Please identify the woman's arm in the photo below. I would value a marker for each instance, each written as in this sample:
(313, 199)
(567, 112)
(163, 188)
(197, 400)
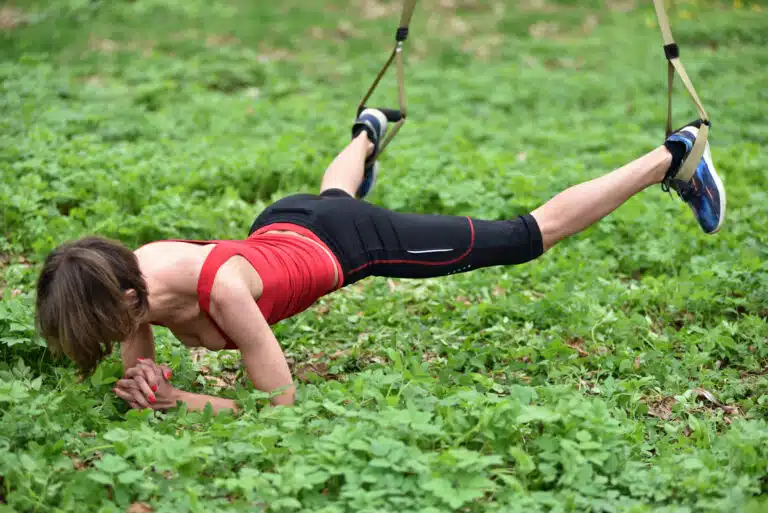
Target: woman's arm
(198, 402)
(162, 395)
(141, 344)
(138, 346)
(233, 308)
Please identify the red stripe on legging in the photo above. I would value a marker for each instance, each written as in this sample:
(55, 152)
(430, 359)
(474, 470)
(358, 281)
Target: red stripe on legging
(418, 262)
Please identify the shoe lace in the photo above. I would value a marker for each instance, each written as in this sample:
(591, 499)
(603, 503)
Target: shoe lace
(665, 184)
(685, 190)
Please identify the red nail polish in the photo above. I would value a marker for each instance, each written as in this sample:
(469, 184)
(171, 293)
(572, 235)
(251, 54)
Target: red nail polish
(152, 399)
(154, 388)
(168, 375)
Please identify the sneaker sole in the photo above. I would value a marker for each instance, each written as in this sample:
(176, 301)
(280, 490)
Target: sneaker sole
(720, 187)
(374, 174)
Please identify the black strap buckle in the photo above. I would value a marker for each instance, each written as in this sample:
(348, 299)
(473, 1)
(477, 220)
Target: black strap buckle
(671, 51)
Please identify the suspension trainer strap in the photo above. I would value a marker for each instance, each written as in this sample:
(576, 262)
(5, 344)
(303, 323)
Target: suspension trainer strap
(672, 53)
(395, 116)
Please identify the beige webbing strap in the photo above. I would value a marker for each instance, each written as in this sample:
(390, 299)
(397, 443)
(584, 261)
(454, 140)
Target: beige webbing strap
(397, 54)
(408, 8)
(672, 53)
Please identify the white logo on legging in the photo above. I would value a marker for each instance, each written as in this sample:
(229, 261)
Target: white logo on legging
(429, 251)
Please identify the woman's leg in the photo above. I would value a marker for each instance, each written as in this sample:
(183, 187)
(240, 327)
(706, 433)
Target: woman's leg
(582, 205)
(566, 214)
(373, 241)
(346, 170)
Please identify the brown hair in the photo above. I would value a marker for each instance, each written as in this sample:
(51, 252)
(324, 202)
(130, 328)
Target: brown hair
(81, 306)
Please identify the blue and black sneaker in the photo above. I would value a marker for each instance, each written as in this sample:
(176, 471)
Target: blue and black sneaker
(374, 122)
(703, 190)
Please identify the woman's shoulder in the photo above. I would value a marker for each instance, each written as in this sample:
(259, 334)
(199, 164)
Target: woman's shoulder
(173, 263)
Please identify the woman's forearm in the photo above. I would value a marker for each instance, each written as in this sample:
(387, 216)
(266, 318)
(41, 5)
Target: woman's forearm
(197, 402)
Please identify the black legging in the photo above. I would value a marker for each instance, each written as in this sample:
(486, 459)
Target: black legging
(372, 241)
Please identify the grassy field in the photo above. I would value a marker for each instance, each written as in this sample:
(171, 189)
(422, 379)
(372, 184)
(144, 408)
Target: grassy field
(626, 371)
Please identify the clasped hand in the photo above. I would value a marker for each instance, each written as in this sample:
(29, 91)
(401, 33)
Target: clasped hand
(147, 385)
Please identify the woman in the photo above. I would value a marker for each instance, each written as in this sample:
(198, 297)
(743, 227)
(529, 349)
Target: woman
(226, 294)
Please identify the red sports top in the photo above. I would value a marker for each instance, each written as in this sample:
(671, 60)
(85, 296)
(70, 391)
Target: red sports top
(294, 272)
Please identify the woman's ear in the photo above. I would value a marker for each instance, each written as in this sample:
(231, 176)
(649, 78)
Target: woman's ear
(130, 295)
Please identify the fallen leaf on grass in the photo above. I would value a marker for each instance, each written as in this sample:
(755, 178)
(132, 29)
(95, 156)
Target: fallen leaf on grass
(317, 33)
(588, 386)
(533, 295)
(429, 357)
(269, 53)
(220, 40)
(10, 17)
(304, 370)
(196, 354)
(345, 29)
(139, 507)
(662, 408)
(591, 21)
(340, 353)
(458, 26)
(77, 463)
(252, 92)
(687, 318)
(103, 45)
(621, 6)
(543, 29)
(709, 397)
(374, 10)
(578, 345)
(225, 379)
(94, 81)
(464, 5)
(463, 299)
(369, 358)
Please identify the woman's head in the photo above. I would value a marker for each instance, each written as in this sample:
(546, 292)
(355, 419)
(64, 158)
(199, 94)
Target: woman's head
(90, 294)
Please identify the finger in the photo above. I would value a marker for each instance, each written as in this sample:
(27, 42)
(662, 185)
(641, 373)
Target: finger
(129, 390)
(134, 371)
(139, 398)
(144, 389)
(147, 369)
(138, 378)
(126, 384)
(124, 395)
(166, 372)
(152, 373)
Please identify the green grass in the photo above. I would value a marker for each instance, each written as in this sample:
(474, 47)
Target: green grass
(573, 383)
